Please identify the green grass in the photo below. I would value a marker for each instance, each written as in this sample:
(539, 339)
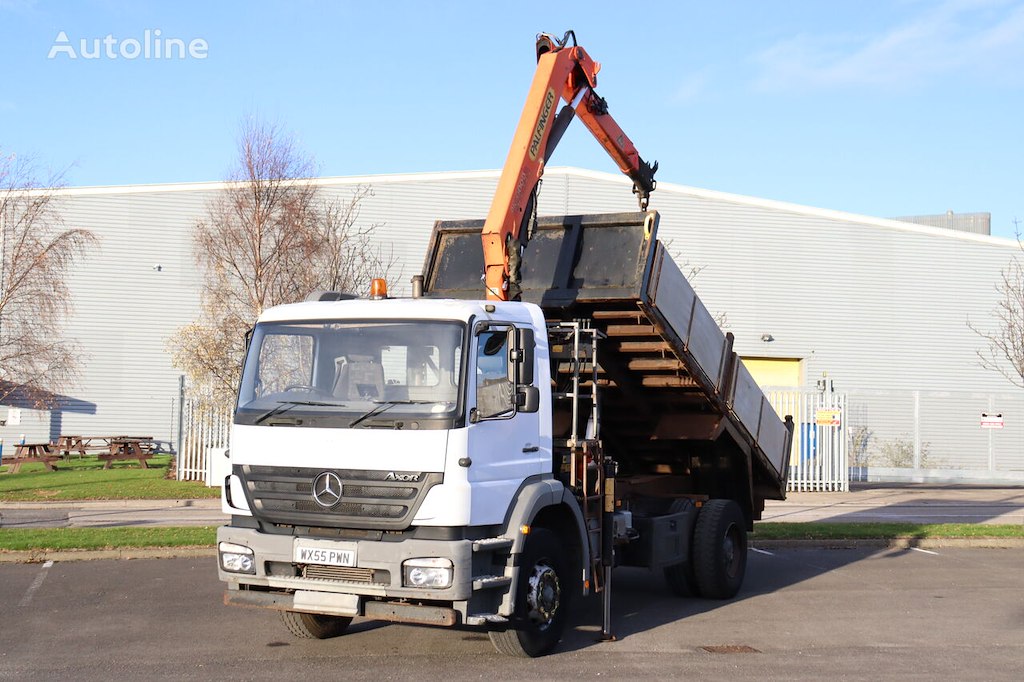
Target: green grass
(882, 531)
(36, 539)
(86, 479)
(27, 539)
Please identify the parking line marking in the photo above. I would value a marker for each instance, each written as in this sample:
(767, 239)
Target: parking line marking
(762, 551)
(924, 551)
(36, 584)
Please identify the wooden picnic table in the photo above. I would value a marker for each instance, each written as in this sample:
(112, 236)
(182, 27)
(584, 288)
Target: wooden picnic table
(128, 447)
(107, 448)
(68, 444)
(32, 452)
(83, 445)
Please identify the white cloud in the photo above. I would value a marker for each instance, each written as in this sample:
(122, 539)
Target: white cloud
(978, 38)
(691, 87)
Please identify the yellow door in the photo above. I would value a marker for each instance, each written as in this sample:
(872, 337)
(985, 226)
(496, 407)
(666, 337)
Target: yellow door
(775, 372)
(782, 376)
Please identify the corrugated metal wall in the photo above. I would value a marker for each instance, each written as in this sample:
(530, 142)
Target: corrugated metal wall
(875, 304)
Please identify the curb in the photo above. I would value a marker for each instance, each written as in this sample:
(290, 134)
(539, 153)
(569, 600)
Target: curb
(891, 543)
(38, 556)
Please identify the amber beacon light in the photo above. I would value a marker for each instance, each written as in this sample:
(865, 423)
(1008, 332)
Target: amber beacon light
(378, 288)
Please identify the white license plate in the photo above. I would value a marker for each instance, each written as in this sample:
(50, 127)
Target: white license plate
(324, 556)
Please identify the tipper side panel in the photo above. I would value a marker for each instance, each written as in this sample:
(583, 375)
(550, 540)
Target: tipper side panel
(677, 399)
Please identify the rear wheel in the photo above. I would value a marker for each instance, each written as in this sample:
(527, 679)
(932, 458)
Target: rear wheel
(313, 625)
(720, 549)
(542, 597)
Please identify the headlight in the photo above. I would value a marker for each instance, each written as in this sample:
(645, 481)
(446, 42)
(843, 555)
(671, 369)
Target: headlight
(434, 572)
(236, 558)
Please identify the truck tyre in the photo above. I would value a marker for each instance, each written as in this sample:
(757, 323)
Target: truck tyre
(542, 597)
(679, 577)
(314, 626)
(719, 549)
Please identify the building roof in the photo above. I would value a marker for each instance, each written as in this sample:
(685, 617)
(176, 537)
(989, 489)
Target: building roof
(697, 192)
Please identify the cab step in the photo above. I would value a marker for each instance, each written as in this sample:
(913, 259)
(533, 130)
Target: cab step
(492, 544)
(483, 618)
(488, 582)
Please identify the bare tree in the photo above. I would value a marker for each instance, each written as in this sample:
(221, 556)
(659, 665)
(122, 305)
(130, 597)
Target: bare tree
(691, 271)
(1004, 351)
(270, 237)
(36, 250)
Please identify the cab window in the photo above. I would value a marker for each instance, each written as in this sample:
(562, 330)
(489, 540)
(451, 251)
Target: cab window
(493, 389)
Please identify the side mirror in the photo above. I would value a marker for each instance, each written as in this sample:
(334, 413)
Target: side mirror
(525, 345)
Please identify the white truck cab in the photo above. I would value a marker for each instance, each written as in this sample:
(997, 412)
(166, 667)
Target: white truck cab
(379, 449)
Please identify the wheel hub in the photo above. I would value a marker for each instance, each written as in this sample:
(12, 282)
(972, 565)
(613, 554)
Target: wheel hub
(730, 555)
(544, 595)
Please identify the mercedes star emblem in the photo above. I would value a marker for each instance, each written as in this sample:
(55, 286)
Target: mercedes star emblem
(327, 489)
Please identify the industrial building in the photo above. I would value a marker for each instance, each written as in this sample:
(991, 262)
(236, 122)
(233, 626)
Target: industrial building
(874, 310)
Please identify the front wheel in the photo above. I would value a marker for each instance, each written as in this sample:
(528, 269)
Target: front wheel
(314, 626)
(720, 549)
(542, 597)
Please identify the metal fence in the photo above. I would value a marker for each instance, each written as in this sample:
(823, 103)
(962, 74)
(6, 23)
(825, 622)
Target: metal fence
(956, 436)
(818, 461)
(939, 436)
(202, 427)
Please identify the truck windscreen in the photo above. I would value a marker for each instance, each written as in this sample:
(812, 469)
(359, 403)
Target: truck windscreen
(353, 374)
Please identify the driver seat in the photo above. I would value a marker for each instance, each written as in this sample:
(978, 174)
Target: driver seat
(358, 377)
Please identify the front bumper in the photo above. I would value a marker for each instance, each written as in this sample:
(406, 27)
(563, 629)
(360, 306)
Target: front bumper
(373, 588)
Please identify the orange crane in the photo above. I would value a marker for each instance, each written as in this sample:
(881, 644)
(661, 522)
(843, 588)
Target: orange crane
(569, 73)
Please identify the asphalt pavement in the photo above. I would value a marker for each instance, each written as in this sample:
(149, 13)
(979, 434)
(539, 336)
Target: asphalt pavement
(918, 612)
(851, 614)
(875, 503)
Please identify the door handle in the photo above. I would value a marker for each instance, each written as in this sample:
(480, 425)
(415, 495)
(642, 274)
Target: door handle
(531, 448)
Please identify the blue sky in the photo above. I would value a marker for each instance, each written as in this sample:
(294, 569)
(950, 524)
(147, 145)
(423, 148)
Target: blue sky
(881, 108)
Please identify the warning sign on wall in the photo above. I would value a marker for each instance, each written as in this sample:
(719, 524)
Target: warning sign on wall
(991, 421)
(827, 417)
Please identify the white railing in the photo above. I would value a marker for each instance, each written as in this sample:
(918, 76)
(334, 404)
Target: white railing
(202, 427)
(818, 461)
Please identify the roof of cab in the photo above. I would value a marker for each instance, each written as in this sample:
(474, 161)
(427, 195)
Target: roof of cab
(400, 308)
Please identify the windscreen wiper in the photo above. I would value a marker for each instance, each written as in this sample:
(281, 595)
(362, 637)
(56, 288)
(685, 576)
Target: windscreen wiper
(383, 405)
(285, 405)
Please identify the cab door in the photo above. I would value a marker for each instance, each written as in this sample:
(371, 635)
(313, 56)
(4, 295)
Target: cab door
(504, 430)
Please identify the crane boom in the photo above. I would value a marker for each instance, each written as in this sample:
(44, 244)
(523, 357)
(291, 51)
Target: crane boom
(565, 73)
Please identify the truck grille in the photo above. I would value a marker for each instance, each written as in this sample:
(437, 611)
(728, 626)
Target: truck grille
(368, 499)
(346, 575)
